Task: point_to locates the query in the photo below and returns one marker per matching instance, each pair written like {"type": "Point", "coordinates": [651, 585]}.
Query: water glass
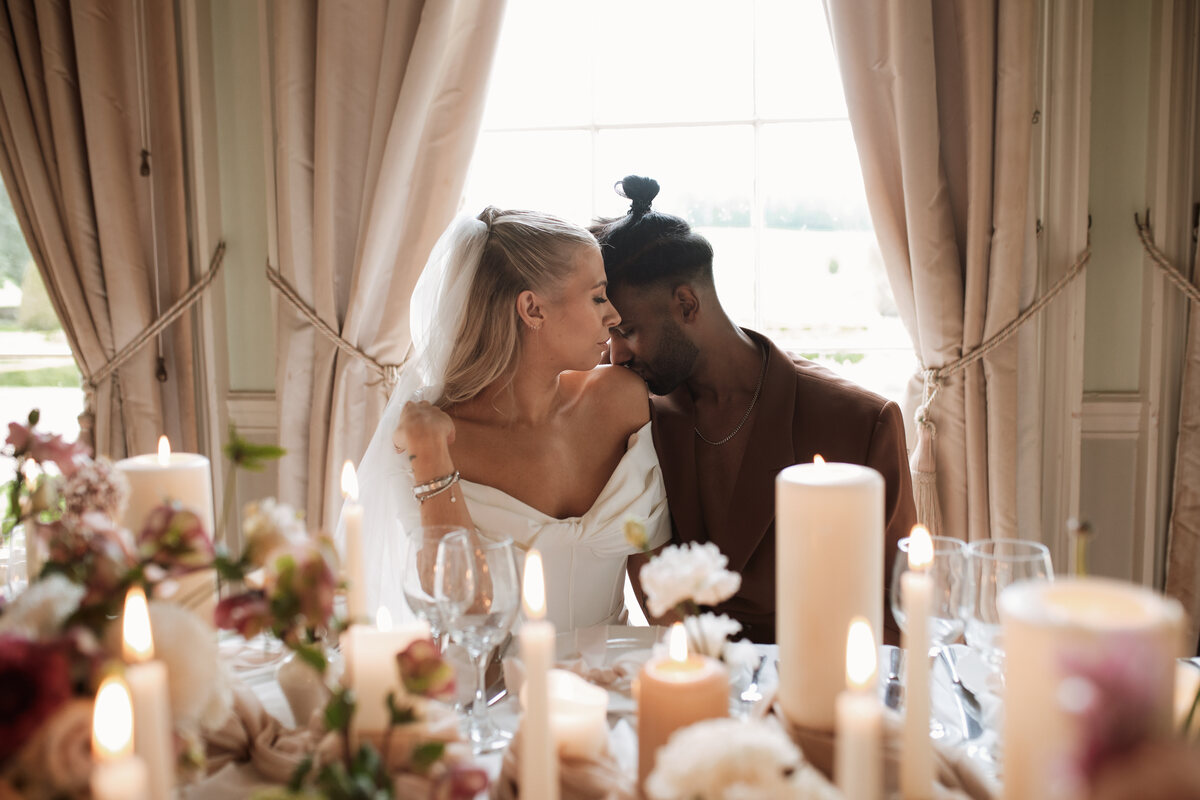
{"type": "Point", "coordinates": [992, 566]}
{"type": "Point", "coordinates": [948, 575]}
{"type": "Point", "coordinates": [434, 550]}
{"type": "Point", "coordinates": [482, 623]}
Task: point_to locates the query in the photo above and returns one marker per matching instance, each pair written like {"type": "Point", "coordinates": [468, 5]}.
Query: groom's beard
{"type": "Point", "coordinates": [670, 365]}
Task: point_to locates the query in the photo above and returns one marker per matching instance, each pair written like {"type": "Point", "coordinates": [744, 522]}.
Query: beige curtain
{"type": "Point", "coordinates": [70, 152]}
{"type": "Point", "coordinates": [1183, 549]}
{"type": "Point", "coordinates": [941, 99]}
{"type": "Point", "coordinates": [377, 107]}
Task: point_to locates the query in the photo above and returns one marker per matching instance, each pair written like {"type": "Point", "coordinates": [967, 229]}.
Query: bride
{"type": "Point", "coordinates": [503, 422]}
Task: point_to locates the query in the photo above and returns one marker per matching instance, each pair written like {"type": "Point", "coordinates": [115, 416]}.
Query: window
{"type": "Point", "coordinates": [737, 110]}
{"type": "Point", "coordinates": [37, 369]}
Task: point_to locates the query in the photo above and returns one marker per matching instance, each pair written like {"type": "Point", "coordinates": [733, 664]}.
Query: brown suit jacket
{"type": "Point", "coordinates": [804, 410]}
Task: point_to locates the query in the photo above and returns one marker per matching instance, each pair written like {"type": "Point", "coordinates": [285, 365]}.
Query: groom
{"type": "Point", "coordinates": [732, 409]}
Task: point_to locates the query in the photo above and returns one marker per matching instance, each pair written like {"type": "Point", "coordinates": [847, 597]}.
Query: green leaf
{"type": "Point", "coordinates": [296, 782]}
{"type": "Point", "coordinates": [397, 714]}
{"type": "Point", "coordinates": [340, 710]}
{"type": "Point", "coordinates": [247, 455]}
{"type": "Point", "coordinates": [312, 655]}
{"type": "Point", "coordinates": [34, 416]}
{"type": "Point", "coordinates": [229, 569]}
{"type": "Point", "coordinates": [426, 755]}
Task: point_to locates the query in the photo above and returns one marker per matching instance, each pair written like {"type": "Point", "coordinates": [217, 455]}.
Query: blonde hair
{"type": "Point", "coordinates": [524, 251]}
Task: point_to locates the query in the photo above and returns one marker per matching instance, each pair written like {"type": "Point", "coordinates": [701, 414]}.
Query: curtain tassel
{"type": "Point", "coordinates": [923, 462]}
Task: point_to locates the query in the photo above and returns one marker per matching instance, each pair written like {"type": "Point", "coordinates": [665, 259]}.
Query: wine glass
{"type": "Point", "coordinates": [482, 623]}
{"type": "Point", "coordinates": [947, 572]}
{"type": "Point", "coordinates": [434, 550]}
{"type": "Point", "coordinates": [992, 566]}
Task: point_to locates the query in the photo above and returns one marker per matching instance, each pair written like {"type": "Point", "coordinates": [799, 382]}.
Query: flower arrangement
{"type": "Point", "coordinates": [725, 758]}
{"type": "Point", "coordinates": [58, 636]}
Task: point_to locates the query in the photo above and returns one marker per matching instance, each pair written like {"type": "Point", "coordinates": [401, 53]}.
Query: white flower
{"type": "Point", "coordinates": [721, 759]}
{"type": "Point", "coordinates": [708, 633]}
{"type": "Point", "coordinates": [269, 525]}
{"type": "Point", "coordinates": [201, 694]}
{"type": "Point", "coordinates": [693, 571]}
{"type": "Point", "coordinates": [40, 611]}
{"type": "Point", "coordinates": [741, 656]}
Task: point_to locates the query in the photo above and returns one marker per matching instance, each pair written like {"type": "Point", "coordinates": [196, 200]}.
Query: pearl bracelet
{"type": "Point", "coordinates": [433, 488]}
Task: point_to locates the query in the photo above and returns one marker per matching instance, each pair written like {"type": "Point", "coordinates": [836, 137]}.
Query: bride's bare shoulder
{"type": "Point", "coordinates": [616, 390]}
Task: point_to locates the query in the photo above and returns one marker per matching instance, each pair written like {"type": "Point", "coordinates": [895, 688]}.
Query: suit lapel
{"type": "Point", "coordinates": [675, 442]}
{"type": "Point", "coordinates": [769, 450]}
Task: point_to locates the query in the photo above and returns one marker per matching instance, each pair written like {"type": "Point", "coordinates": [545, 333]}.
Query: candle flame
{"type": "Point", "coordinates": [164, 450]}
{"type": "Point", "coordinates": [677, 645]}
{"type": "Point", "coordinates": [534, 589]}
{"type": "Point", "coordinates": [383, 619]}
{"type": "Point", "coordinates": [920, 548]}
{"type": "Point", "coordinates": [112, 720]}
{"type": "Point", "coordinates": [860, 655]}
{"type": "Point", "coordinates": [139, 642]}
{"type": "Point", "coordinates": [817, 459]}
{"type": "Point", "coordinates": [349, 482]}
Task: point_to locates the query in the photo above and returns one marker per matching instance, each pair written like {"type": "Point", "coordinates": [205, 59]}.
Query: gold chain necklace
{"type": "Point", "coordinates": [753, 401]}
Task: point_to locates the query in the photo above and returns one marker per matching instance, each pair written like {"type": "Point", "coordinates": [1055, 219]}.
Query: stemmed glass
{"type": "Point", "coordinates": [947, 572]}
{"type": "Point", "coordinates": [433, 552]}
{"type": "Point", "coordinates": [482, 623]}
{"type": "Point", "coordinates": [992, 566]}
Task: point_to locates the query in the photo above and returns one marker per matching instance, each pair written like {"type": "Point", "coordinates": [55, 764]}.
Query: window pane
{"type": "Point", "coordinates": [796, 71]}
{"type": "Point", "coordinates": [810, 177]}
{"type": "Point", "coordinates": [673, 61]}
{"type": "Point", "coordinates": [542, 74]}
{"type": "Point", "coordinates": [548, 171]}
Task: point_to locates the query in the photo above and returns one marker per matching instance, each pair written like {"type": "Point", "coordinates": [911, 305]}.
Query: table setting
{"type": "Point", "coordinates": [131, 676]}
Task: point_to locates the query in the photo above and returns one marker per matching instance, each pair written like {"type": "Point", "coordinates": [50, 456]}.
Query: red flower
{"type": "Point", "coordinates": [174, 538]}
{"type": "Point", "coordinates": [35, 679]}
{"type": "Point", "coordinates": [248, 614]}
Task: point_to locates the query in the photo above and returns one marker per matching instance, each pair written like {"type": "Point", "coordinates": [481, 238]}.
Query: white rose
{"type": "Point", "coordinates": [40, 611]}
{"type": "Point", "coordinates": [692, 572]}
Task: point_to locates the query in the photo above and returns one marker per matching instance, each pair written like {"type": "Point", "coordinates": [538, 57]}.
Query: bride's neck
{"type": "Point", "coordinates": [526, 396]}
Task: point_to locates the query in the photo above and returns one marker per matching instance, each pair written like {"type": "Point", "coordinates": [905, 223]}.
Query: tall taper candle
{"type": "Point", "coordinates": [916, 589]}
{"type": "Point", "coordinates": [118, 774]}
{"type": "Point", "coordinates": [859, 767]}
{"type": "Point", "coordinates": [829, 556]}
{"type": "Point", "coordinates": [539, 756]}
{"type": "Point", "coordinates": [356, 590]}
{"type": "Point", "coordinates": [153, 734]}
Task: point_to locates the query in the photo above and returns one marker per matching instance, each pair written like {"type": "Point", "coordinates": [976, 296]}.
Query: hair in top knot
{"type": "Point", "coordinates": [641, 191]}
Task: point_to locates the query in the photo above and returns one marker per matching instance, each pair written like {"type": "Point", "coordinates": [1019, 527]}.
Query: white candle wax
{"type": "Point", "coordinates": [858, 768]}
{"type": "Point", "coordinates": [154, 739]}
{"type": "Point", "coordinates": [1054, 634]}
{"type": "Point", "coordinates": [916, 590]}
{"type": "Point", "coordinates": [578, 715]}
{"type": "Point", "coordinates": [356, 591]}
{"type": "Point", "coordinates": [372, 669]}
{"type": "Point", "coordinates": [539, 759]}
{"type": "Point", "coordinates": [117, 773]}
{"type": "Point", "coordinates": [829, 569]}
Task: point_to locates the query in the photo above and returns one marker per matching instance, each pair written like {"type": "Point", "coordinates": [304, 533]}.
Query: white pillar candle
{"type": "Point", "coordinates": [829, 570]}
{"type": "Point", "coordinates": [578, 715]}
{"type": "Point", "coordinates": [183, 478]}
{"type": "Point", "coordinates": [673, 692]}
{"type": "Point", "coordinates": [859, 763]}
{"type": "Point", "coordinates": [539, 759]}
{"type": "Point", "coordinates": [1058, 633]}
{"type": "Point", "coordinates": [371, 665]}
{"type": "Point", "coordinates": [117, 774]}
{"type": "Point", "coordinates": [916, 590]}
{"type": "Point", "coordinates": [153, 740]}
{"type": "Point", "coordinates": [352, 560]}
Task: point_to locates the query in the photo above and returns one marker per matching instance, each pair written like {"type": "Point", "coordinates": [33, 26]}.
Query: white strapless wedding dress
{"type": "Point", "coordinates": [584, 557]}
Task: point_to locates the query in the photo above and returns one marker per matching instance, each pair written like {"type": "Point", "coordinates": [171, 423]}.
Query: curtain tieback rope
{"type": "Point", "coordinates": [923, 462]}
{"type": "Point", "coordinates": [1172, 272]}
{"type": "Point", "coordinates": [390, 373]}
{"type": "Point", "coordinates": [92, 380]}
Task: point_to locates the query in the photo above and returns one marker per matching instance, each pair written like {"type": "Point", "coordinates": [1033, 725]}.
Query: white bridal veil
{"type": "Point", "coordinates": [436, 314]}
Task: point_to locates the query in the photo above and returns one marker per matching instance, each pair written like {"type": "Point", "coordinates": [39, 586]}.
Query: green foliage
{"type": "Point", "coordinates": [64, 376]}
{"type": "Point", "coordinates": [36, 312]}
{"type": "Point", "coordinates": [399, 715]}
{"type": "Point", "coordinates": [14, 253]}
{"type": "Point", "coordinates": [426, 755]}
{"type": "Point", "coordinates": [247, 455]}
{"type": "Point", "coordinates": [340, 710]}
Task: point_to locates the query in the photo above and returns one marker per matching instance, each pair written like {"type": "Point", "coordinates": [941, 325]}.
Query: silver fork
{"type": "Point", "coordinates": [968, 703]}
{"type": "Point", "coordinates": [751, 695]}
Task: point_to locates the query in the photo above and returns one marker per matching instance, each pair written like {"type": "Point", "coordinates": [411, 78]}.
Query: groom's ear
{"type": "Point", "coordinates": [529, 309]}
{"type": "Point", "coordinates": [686, 302]}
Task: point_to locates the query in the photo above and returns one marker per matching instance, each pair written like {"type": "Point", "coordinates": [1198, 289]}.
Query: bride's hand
{"type": "Point", "coordinates": [423, 428]}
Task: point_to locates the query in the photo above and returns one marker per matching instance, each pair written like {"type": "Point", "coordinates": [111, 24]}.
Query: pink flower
{"type": "Point", "coordinates": [249, 614]}
{"type": "Point", "coordinates": [174, 538]}
{"type": "Point", "coordinates": [424, 672]}
{"type": "Point", "coordinates": [301, 583]}
{"type": "Point", "coordinates": [95, 486]}
{"type": "Point", "coordinates": [35, 679]}
{"type": "Point", "coordinates": [19, 437]}
{"type": "Point", "coordinates": [459, 783]}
